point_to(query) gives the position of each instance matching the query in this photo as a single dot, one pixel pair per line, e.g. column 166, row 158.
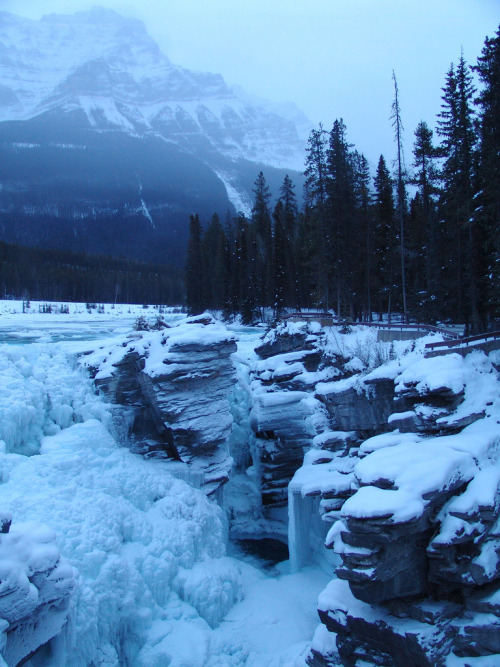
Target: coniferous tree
column 342, row 207
column 279, row 259
column 365, row 228
column 385, row 238
column 261, row 243
column 423, row 270
column 305, row 256
column 231, row 294
column 290, row 209
column 487, row 216
column 318, row 216
column 214, row 256
column 456, row 128
column 195, row 298
column 287, row 214
column 245, row 259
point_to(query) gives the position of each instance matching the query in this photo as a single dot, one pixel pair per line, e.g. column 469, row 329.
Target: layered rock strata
column 285, row 415
column 401, row 465
column 35, row 589
column 416, row 520
column 171, row 389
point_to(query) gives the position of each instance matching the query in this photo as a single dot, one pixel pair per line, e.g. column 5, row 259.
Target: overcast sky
column 333, row 58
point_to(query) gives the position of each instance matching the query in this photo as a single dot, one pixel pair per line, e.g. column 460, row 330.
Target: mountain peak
column 108, row 67
column 97, row 16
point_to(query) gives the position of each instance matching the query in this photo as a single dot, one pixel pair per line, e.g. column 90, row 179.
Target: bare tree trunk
column 397, row 124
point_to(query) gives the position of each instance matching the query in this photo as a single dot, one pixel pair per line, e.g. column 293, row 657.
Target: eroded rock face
column 172, row 388
column 305, row 386
column 402, row 463
column 363, row 409
column 36, row 588
column 418, row 533
column 282, row 424
column 284, row 414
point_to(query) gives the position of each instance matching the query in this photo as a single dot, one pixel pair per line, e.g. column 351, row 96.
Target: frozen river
column 76, row 326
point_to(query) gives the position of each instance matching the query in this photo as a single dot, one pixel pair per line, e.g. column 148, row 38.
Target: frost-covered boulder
column 419, row 634
column 35, row 589
column 172, row 389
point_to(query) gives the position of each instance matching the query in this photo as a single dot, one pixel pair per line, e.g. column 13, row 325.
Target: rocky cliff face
column 404, row 469
column 170, row 388
column 387, row 458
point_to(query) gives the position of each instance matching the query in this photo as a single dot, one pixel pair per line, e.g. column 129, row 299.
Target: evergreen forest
column 420, row 242
column 60, row 275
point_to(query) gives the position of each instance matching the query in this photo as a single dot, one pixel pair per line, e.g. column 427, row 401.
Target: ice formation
column 147, row 550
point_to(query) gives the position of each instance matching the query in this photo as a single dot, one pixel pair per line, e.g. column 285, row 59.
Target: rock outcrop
column 35, row 589
column 171, row 390
column 416, row 525
column 284, row 414
column 401, row 463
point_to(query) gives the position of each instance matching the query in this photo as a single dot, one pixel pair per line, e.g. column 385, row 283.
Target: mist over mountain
column 107, row 146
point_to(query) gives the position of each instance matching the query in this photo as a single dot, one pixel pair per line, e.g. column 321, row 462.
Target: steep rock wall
column 171, row 388
column 401, row 462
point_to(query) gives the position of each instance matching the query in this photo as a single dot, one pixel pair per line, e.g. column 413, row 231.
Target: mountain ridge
column 106, row 146
column 117, row 61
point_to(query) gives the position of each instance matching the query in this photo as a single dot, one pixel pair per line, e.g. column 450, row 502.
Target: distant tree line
column 59, row 275
column 423, row 242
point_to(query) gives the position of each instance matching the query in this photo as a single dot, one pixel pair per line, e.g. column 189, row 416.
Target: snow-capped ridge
column 61, row 61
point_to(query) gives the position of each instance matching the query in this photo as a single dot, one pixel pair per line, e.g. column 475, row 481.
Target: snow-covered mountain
column 95, row 122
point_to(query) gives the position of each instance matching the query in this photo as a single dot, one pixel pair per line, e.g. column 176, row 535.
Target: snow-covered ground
column 144, row 552
column 42, row 321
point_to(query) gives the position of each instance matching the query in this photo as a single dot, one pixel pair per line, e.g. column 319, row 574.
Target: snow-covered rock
column 172, row 388
column 414, row 515
column 35, row 589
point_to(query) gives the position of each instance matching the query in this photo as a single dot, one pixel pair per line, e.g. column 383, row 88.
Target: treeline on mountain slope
column 343, row 249
column 59, row 275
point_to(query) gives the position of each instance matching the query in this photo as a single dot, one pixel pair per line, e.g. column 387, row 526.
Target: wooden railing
column 378, row 325
column 494, row 335
column 454, row 339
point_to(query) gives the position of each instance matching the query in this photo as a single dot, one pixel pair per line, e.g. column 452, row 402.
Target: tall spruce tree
column 245, row 276
column 423, row 242
column 365, row 228
column 214, row 263
column 487, row 215
column 342, row 217
column 385, row 239
column 456, row 128
column 306, row 251
column 316, row 174
column 288, row 216
column 261, row 240
column 195, row 284
column 280, row 249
